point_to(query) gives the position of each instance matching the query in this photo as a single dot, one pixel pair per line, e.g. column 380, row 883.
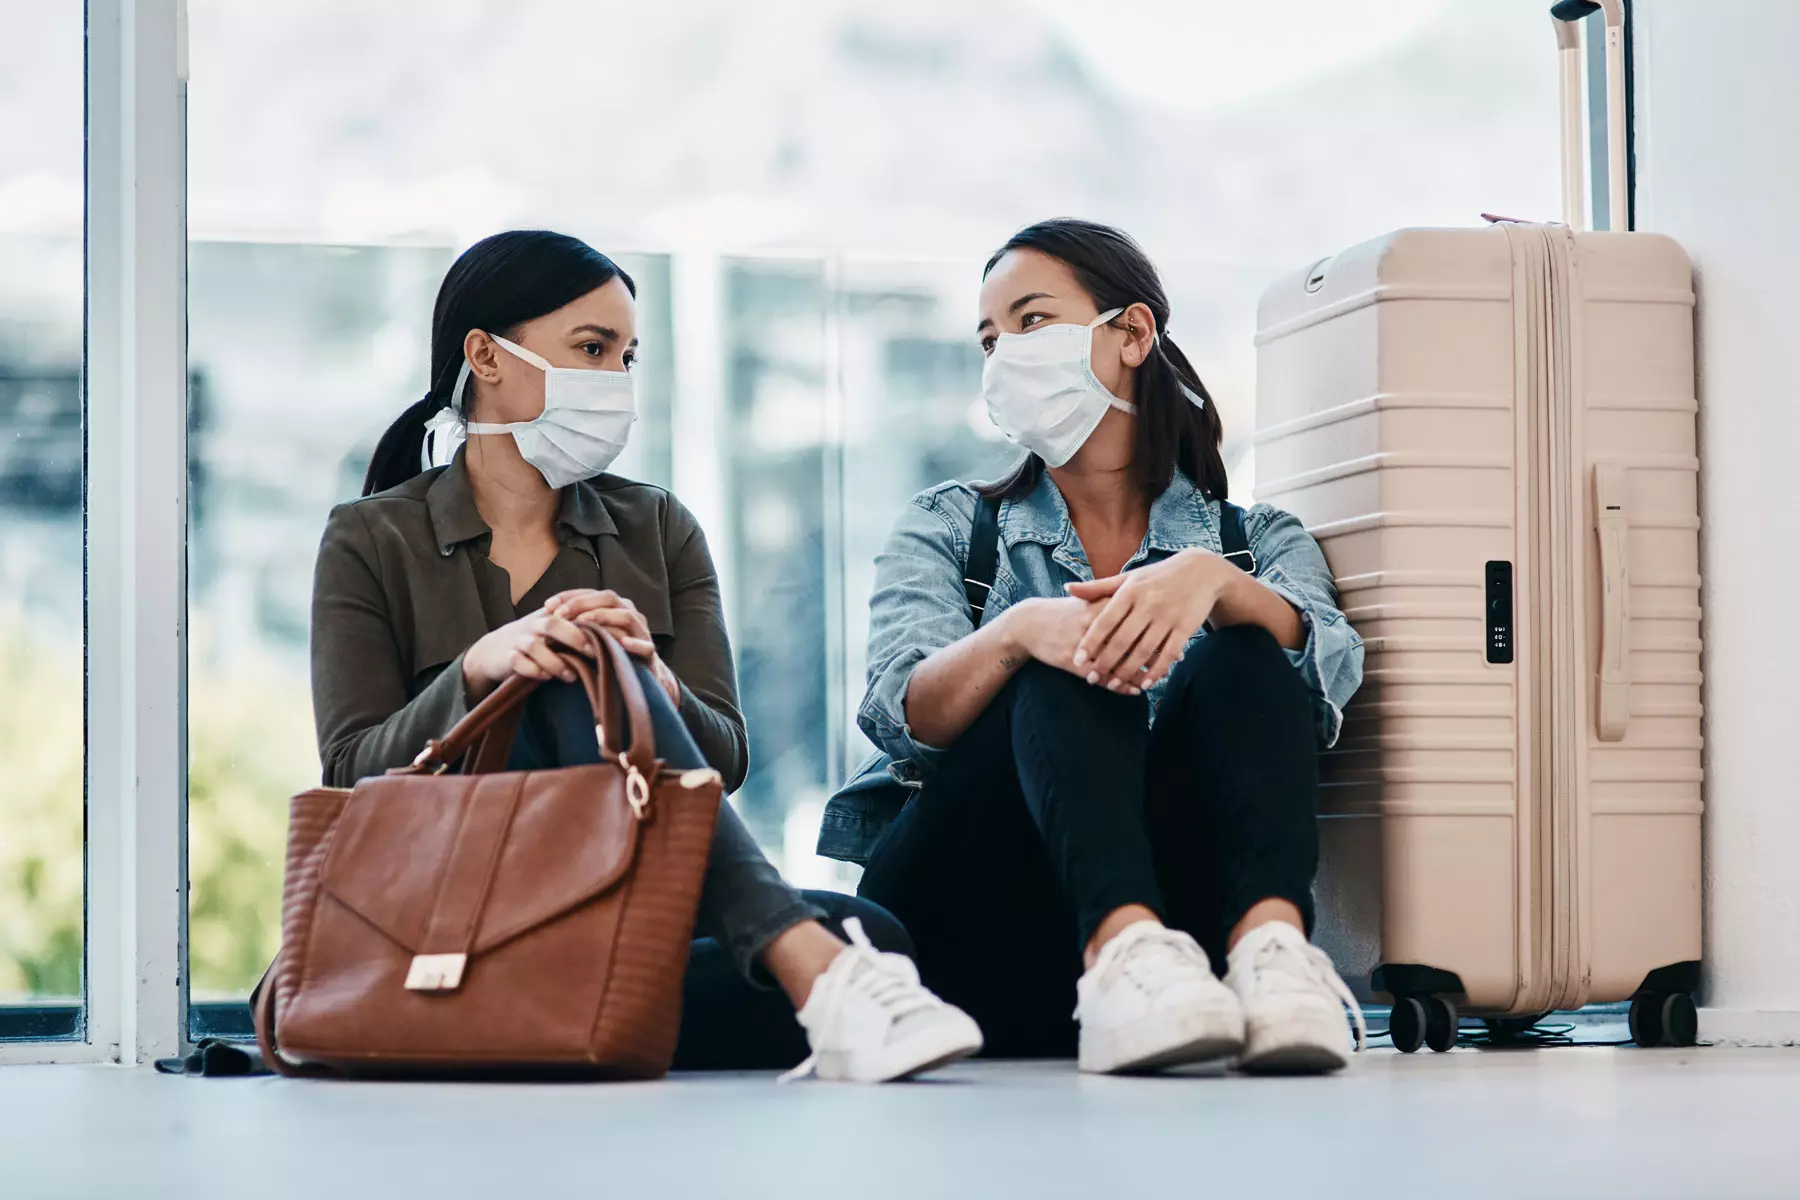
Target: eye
column 1031, row 320
column 630, row 359
column 594, row 349
column 987, row 344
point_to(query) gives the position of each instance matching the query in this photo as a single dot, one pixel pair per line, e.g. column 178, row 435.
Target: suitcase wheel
column 1422, row 1021
column 1406, row 1024
column 1664, row 1020
column 1440, row 1024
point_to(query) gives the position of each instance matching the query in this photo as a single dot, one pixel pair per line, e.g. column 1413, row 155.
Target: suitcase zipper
column 1553, row 702
column 1557, row 579
column 1572, row 676
column 1545, row 909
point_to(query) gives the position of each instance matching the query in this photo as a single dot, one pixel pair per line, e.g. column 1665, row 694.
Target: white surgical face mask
column 586, row 420
column 1041, row 390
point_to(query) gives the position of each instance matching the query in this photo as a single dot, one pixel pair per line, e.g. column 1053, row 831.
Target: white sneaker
column 1293, row 1002
column 1152, row 1001
column 869, row 1019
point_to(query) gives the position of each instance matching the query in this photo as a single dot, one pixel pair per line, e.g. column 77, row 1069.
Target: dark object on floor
column 216, row 1059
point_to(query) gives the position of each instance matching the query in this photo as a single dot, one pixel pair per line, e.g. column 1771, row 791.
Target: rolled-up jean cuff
column 747, row 946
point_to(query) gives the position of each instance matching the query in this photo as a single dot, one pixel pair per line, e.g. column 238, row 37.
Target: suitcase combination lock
column 1499, row 612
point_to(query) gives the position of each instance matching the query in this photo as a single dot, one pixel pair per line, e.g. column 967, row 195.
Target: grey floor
column 1524, row 1123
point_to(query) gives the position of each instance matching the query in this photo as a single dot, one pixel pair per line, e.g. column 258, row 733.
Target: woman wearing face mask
column 1117, row 757
column 447, row 579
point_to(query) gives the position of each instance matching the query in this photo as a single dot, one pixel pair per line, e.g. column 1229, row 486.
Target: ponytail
column 1194, row 430
column 496, row 285
column 399, row 455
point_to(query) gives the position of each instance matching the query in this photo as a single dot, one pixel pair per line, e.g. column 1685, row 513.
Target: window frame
column 134, row 426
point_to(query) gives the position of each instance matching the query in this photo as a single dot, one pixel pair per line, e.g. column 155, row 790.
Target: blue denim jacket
column 919, row 607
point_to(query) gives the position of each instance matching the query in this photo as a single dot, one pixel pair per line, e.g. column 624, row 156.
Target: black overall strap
column 984, row 556
column 1233, row 544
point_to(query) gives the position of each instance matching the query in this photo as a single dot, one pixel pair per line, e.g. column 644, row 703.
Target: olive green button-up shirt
column 404, row 586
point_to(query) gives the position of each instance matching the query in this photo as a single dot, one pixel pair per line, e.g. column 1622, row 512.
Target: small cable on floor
column 1540, row 1036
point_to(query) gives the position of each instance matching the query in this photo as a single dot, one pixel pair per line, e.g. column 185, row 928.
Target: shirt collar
column 1180, row 519
column 454, row 518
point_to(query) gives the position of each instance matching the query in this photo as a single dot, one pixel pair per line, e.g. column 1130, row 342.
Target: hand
column 1148, row 616
column 527, row 646
column 1048, row 630
column 606, row 609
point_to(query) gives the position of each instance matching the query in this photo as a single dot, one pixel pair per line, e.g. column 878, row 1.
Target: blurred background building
column 805, row 193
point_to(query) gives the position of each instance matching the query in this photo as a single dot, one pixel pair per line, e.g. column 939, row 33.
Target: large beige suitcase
column 1491, row 433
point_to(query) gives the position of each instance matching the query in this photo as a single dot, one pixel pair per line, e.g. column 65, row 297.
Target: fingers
column 570, row 605
column 563, row 632
column 1098, row 589
column 638, row 647
column 1164, row 662
column 540, row 652
column 620, row 622
column 522, row 663
column 1101, row 629
column 1108, row 663
column 1132, row 673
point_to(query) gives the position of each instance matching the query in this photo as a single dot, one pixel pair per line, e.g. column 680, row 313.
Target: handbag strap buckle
column 637, row 792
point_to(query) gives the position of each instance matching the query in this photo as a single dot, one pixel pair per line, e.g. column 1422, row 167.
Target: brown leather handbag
column 492, row 920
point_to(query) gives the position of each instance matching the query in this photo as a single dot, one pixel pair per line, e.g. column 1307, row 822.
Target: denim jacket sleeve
column 918, row 607
column 1290, row 562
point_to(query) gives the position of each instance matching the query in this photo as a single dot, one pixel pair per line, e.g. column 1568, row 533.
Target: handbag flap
column 463, row 863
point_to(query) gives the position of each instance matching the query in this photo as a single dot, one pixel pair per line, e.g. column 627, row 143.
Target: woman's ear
column 1139, row 325
column 483, row 356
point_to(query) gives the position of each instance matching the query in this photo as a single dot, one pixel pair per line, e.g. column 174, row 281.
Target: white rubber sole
column 940, row 1045
column 1158, row 1040
column 1297, row 1043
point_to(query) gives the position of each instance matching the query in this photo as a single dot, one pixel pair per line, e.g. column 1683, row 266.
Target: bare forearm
column 1244, row 601
column 952, row 687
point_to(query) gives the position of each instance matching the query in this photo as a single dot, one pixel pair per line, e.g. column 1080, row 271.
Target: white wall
column 1719, row 169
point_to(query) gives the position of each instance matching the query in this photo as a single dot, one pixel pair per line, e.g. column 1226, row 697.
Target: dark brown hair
column 1173, row 434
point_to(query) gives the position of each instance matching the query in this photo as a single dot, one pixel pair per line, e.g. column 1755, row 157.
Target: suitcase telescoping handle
column 1566, row 17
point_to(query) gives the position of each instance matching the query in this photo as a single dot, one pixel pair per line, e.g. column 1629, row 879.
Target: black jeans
column 733, row 1018
column 1061, row 803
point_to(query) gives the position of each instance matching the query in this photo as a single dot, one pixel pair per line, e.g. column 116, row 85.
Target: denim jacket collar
column 1180, row 519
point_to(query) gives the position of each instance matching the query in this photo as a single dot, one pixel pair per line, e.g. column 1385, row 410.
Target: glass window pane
column 773, row 441
column 41, row 933
column 913, row 418
column 820, row 200
column 298, row 356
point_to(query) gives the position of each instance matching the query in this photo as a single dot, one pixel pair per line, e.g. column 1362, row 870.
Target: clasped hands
column 1125, row 632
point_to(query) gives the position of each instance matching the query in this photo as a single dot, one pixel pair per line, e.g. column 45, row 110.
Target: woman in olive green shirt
column 444, row 580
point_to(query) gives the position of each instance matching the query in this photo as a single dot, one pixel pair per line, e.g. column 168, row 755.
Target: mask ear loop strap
column 456, row 396
column 440, row 426
column 1194, row 398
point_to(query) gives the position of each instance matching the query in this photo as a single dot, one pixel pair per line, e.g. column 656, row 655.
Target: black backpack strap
column 1233, row 545
column 984, row 556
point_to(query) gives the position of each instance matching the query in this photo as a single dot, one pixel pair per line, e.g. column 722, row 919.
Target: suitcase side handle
column 1612, row 522
column 1565, row 17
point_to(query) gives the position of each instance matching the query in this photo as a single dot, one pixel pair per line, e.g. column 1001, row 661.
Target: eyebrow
column 600, row 331
column 1016, row 305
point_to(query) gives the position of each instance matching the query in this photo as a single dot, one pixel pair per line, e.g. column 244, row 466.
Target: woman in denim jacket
column 1116, row 772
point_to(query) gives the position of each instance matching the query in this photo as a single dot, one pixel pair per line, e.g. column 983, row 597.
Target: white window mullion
column 136, row 418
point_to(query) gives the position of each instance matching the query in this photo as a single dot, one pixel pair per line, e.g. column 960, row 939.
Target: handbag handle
column 603, row 663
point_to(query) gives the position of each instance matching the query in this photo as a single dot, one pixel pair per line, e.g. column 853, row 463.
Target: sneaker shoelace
column 1154, row 959
column 889, row 981
column 1305, row 968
